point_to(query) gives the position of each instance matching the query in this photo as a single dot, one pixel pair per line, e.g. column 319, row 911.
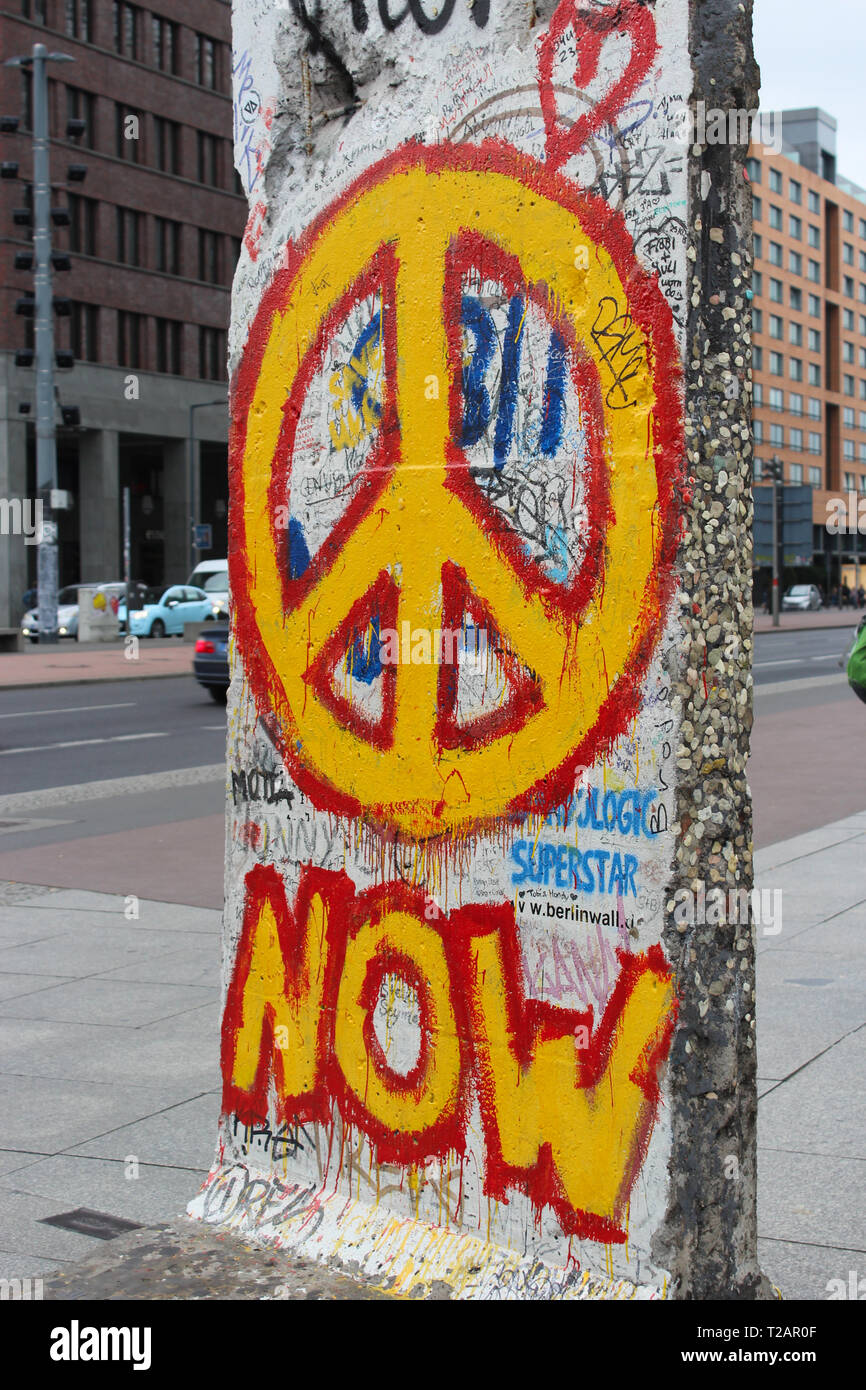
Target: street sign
column 202, row 536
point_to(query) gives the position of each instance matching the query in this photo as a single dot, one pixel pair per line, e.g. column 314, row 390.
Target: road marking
column 795, row 661
column 176, row 779
column 806, row 683
column 70, row 709
column 76, row 743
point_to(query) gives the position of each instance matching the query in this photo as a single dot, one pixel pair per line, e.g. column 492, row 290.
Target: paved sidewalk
column 71, row 663
column 805, row 622
column 110, row 1081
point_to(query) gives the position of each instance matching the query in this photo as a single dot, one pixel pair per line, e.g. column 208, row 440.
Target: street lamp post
column 775, row 472
column 46, row 439
column 200, row 405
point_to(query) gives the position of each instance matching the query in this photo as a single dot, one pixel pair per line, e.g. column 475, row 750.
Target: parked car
column 210, row 662
column 163, row 612
column 802, row 597
column 213, row 577
column 67, row 608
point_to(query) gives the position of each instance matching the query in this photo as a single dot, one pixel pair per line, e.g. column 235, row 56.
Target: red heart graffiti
column 591, row 27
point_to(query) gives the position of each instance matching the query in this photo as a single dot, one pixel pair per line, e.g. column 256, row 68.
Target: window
column 863, row 228
column 775, row 181
column 814, row 306
column 849, row 482
column 128, row 236
column 84, row 331
column 847, row 253
column 848, row 417
column 863, row 294
column 775, row 218
column 814, row 409
column 166, row 145
column 758, row 393
column 758, row 359
column 211, row 353
column 863, row 260
column 848, row 385
column 862, row 325
column 814, row 201
column 757, row 282
column 848, row 352
column 775, row 254
column 862, row 420
column 127, row 132
column 796, row 299
column 795, row 191
column 758, row 431
column 795, row 334
column 814, row 442
column 205, row 61
column 814, row 237
column 796, row 474
column 82, row 224
column 848, row 286
column 848, row 450
column 797, row 441
column 863, row 390
column 207, row 160
column 777, row 436
column 814, row 340
column 167, row 246
column 757, row 321
column 756, row 209
column 795, row 369
column 848, row 320
column 814, row 374
column 795, row 403
column 37, row 8
column 777, row 398
column 815, row 272
column 165, row 45
column 757, row 470
column 795, row 262
column 81, row 106
column 129, row 339
column 847, row 219
column 168, row 346
column 777, row 364
column 776, row 291
column 758, row 246
column 815, row 479
column 753, row 169
column 126, row 27
column 78, row 19
column 209, row 256
column 795, row 227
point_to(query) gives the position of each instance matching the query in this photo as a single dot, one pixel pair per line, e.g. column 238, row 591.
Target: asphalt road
column 788, row 656
column 63, row 735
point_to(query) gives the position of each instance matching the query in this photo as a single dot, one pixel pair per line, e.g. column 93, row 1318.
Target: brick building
column 809, row 328
column 153, row 239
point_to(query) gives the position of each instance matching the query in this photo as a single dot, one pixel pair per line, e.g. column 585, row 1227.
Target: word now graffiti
column 564, row 1123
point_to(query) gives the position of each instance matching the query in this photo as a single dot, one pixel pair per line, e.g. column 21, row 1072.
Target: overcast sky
column 812, row 53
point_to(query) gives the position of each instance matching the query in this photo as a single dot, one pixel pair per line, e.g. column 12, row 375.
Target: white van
column 213, row 577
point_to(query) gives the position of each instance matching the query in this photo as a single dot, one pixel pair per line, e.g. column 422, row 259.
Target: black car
column 210, row 663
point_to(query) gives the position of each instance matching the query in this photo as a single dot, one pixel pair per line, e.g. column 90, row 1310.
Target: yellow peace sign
column 586, row 662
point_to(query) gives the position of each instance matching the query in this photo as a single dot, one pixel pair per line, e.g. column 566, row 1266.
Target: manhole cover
column 91, row 1223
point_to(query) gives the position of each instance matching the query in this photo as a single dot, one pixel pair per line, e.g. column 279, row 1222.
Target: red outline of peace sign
column 650, row 312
